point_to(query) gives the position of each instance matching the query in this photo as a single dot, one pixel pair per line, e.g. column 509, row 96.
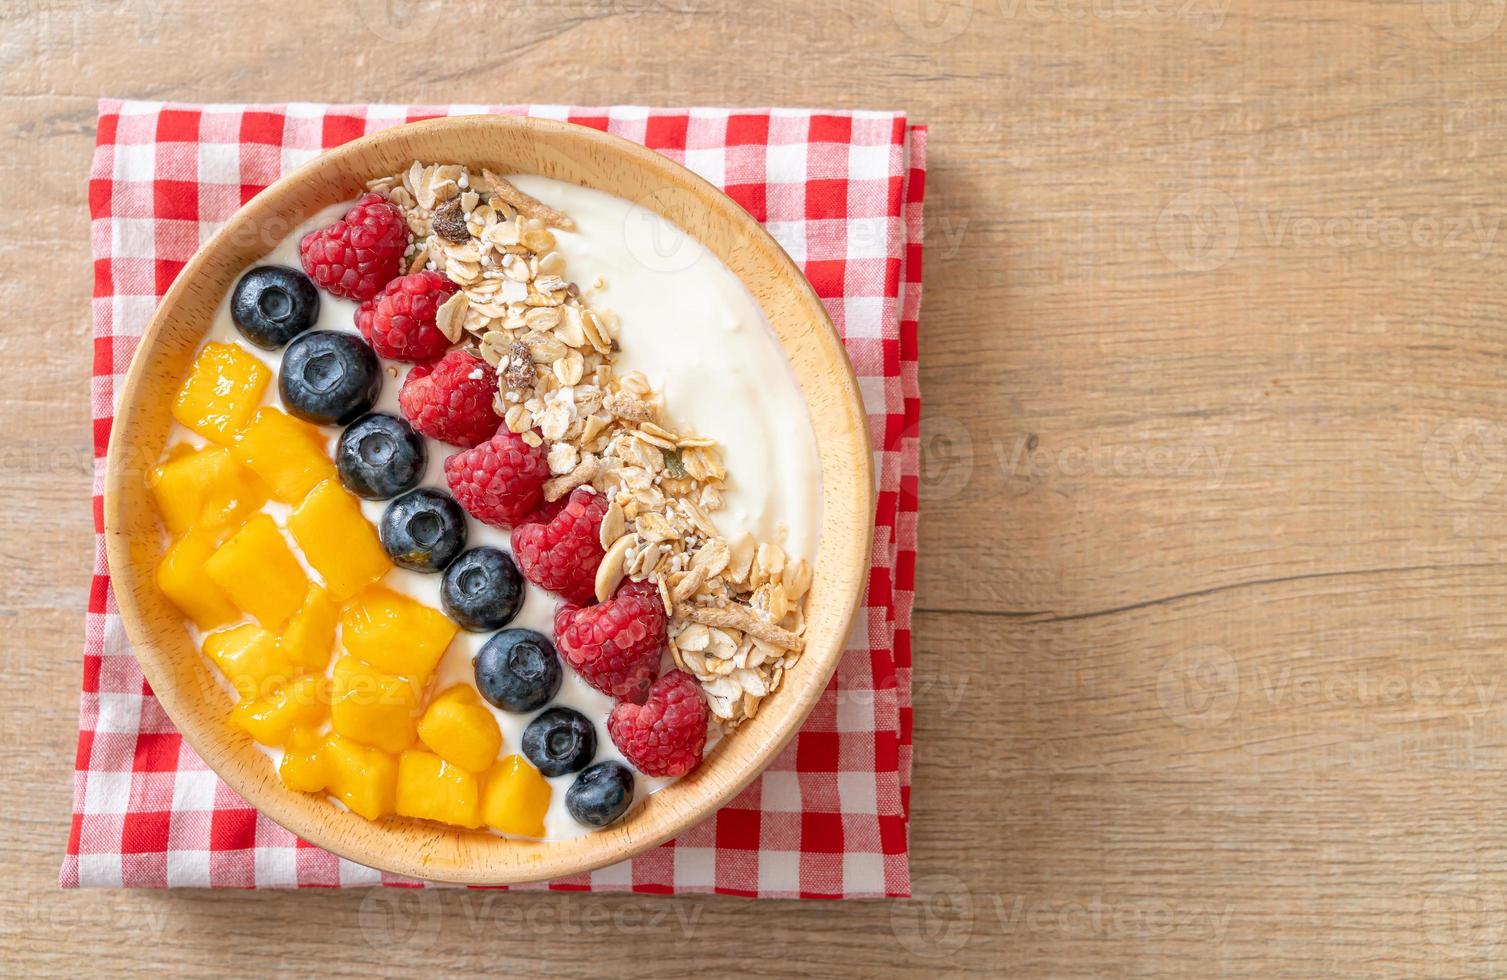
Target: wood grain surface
column 1210, row 623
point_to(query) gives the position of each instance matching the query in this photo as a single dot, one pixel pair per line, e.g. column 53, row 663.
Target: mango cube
column 372, row 707
column 433, row 789
column 310, row 634
column 286, row 453
column 338, row 540
column 204, row 487
column 303, row 765
column 460, row 730
column 223, row 388
column 516, row 798
column 251, row 660
column 181, row 578
column 394, row 633
column 364, row 779
column 302, row 703
column 259, row 572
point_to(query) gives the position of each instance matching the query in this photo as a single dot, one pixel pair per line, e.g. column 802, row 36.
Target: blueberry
column 518, row 670
column 559, row 741
column 482, row 590
column 423, row 530
column 601, row 794
column 329, row 377
column 272, row 304
column 380, row 456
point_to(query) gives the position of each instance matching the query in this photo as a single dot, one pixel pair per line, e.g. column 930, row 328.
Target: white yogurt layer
column 694, row 330
column 696, row 333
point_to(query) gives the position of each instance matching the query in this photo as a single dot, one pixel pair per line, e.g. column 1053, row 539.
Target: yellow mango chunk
column 181, row 578
column 516, row 798
column 303, row 766
column 251, row 660
column 433, row 789
column 364, row 779
column 204, row 487
column 303, row 703
column 288, row 454
column 394, row 633
column 310, row 634
column 460, row 730
column 372, row 707
column 259, row 572
column 222, row 389
column 338, row 540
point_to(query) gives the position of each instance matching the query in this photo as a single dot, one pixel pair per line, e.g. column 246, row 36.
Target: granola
column 736, row 607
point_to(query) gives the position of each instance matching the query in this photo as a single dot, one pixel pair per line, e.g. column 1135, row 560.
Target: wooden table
column 1213, row 564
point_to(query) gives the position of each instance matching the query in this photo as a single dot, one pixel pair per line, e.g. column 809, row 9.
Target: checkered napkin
column 841, row 191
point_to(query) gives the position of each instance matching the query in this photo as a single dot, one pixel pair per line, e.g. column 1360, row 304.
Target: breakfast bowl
column 840, row 513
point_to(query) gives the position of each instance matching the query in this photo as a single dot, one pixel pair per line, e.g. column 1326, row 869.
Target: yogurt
column 696, row 333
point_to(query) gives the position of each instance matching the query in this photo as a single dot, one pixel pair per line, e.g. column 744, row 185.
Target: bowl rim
column 547, row 859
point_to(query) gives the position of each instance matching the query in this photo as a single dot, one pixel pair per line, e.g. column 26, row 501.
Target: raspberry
column 451, row 399
column 399, row 321
column 615, row 646
column 665, row 735
column 563, row 555
column 359, row 254
column 546, row 511
column 501, row 481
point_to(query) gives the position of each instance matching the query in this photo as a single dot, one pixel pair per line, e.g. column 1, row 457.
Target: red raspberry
column 451, row 399
column 547, row 511
column 501, row 481
column 563, row 555
column 399, row 321
column 359, row 254
column 615, row 646
column 665, row 735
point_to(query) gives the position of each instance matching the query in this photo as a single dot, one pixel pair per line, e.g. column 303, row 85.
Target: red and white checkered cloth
column 841, row 191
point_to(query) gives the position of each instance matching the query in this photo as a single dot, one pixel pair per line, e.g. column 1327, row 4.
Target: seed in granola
column 519, row 370
column 673, row 465
column 449, row 222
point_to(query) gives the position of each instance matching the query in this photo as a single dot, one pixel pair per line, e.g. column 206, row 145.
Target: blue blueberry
column 482, row 590
column 559, row 741
column 518, row 670
column 601, row 794
column 328, row 377
column 272, row 304
column 380, row 456
column 423, row 530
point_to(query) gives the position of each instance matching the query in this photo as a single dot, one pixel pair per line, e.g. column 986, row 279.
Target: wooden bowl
column 180, row 675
